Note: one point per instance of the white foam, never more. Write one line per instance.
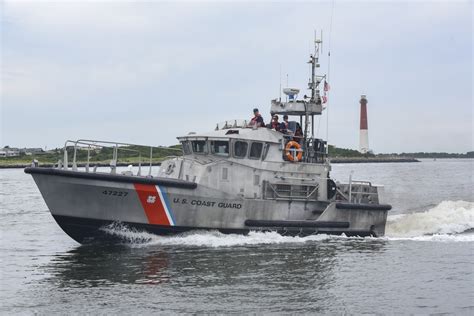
(205, 238)
(448, 217)
(442, 223)
(436, 237)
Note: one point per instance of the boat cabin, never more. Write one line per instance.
(236, 140)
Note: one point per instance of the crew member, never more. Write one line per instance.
(275, 124)
(298, 133)
(257, 119)
(284, 124)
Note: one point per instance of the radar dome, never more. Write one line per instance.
(291, 91)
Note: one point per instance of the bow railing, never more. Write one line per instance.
(117, 153)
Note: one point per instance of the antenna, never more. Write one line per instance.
(322, 41)
(329, 74)
(280, 82)
(314, 62)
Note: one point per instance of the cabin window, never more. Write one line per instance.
(220, 147)
(256, 150)
(256, 179)
(225, 174)
(240, 149)
(199, 146)
(265, 151)
(186, 149)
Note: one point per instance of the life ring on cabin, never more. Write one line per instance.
(293, 146)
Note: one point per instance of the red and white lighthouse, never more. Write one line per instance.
(364, 127)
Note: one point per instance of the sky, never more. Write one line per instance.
(147, 72)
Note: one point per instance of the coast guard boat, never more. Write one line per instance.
(236, 178)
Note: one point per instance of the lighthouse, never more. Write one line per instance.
(364, 130)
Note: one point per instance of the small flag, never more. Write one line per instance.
(326, 86)
(325, 99)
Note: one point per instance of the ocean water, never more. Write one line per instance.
(424, 265)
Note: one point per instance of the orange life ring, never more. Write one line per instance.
(293, 146)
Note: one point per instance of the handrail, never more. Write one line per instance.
(362, 182)
(342, 194)
(114, 157)
(301, 179)
(350, 185)
(116, 146)
(364, 193)
(294, 197)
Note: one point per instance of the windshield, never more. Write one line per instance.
(199, 146)
(220, 147)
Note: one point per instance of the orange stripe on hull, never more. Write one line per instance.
(151, 202)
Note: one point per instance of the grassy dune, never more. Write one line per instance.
(103, 156)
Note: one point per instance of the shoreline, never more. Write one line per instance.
(332, 160)
(371, 160)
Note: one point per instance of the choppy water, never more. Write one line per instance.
(424, 265)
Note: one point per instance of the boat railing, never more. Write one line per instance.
(137, 150)
(314, 151)
(358, 191)
(238, 123)
(290, 191)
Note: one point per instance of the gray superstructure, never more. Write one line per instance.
(234, 179)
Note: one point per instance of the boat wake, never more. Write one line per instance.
(205, 238)
(449, 221)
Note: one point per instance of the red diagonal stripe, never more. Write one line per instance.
(155, 212)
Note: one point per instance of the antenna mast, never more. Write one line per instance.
(314, 61)
(313, 84)
(280, 82)
(310, 106)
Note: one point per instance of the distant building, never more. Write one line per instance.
(31, 151)
(9, 152)
(15, 152)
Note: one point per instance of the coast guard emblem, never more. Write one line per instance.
(151, 199)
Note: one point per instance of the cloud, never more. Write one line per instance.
(187, 65)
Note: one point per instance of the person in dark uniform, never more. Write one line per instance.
(257, 119)
(298, 133)
(284, 124)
